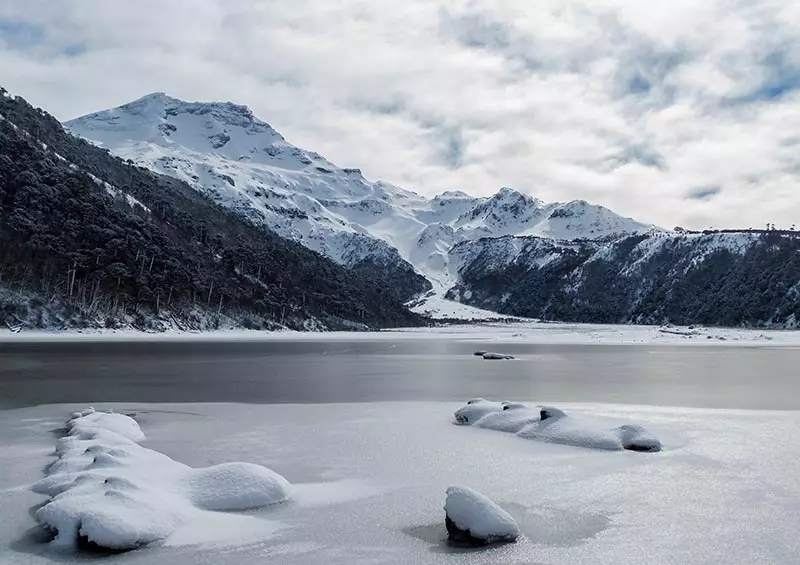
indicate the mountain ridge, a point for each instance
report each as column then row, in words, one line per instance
column 337, row 211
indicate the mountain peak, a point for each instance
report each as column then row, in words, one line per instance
column 224, row 128
column 452, row 194
column 148, row 103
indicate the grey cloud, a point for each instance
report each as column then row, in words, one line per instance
column 781, row 76
column 452, row 154
column 476, row 30
column 627, row 104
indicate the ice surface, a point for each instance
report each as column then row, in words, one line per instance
column 476, row 516
column 106, row 489
column 553, row 425
column 723, row 490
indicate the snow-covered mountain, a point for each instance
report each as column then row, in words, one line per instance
column 225, row 152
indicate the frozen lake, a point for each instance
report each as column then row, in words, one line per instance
column 387, row 369
column 362, row 426
column 723, row 490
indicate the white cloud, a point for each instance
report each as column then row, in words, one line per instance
column 635, row 105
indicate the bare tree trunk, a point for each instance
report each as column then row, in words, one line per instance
column 72, row 280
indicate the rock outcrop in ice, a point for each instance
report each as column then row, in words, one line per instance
column 496, row 356
column 472, row 518
column 553, row 425
column 108, row 491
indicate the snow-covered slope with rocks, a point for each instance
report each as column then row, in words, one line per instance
column 225, row 152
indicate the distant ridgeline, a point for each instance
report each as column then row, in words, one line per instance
column 87, row 239
column 724, row 277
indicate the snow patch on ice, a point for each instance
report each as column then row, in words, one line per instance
column 106, row 489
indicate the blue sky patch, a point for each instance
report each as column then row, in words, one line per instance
column 704, row 192
column 20, row 35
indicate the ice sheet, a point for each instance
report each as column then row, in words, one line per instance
column 723, row 490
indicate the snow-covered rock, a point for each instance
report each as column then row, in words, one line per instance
column 553, row 425
column 90, row 423
column 476, row 409
column 511, row 419
column 107, row 490
column 473, row 518
column 235, row 486
column 496, row 356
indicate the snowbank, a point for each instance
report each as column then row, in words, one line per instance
column 553, row 425
column 473, row 518
column 107, row 490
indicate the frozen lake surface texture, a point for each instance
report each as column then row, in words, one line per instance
column 364, row 432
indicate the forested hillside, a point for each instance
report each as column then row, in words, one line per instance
column 726, row 279
column 89, row 240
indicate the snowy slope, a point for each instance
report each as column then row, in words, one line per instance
column 225, row 152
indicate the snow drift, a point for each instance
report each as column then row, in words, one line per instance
column 549, row 424
column 108, row 491
column 473, row 518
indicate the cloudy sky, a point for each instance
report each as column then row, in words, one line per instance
column 683, row 112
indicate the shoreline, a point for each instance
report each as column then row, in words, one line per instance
column 531, row 333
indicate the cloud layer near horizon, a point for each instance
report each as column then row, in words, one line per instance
column 681, row 113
